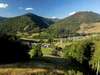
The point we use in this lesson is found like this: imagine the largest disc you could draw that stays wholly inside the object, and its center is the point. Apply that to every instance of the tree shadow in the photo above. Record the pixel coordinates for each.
(67, 64)
(12, 49)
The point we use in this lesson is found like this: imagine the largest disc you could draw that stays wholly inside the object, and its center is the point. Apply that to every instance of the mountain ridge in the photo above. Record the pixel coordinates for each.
(71, 24)
(31, 23)
(25, 23)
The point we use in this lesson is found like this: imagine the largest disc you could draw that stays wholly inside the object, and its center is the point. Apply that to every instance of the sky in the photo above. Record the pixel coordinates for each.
(47, 8)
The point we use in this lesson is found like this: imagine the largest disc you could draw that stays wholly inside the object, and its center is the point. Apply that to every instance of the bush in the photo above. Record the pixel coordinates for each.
(95, 61)
(74, 50)
(80, 50)
(36, 51)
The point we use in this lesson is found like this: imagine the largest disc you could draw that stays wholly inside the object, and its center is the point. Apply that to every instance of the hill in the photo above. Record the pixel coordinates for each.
(71, 24)
(2, 18)
(32, 23)
(25, 23)
(89, 28)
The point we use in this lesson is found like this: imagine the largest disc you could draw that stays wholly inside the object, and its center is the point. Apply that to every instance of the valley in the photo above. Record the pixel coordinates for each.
(35, 45)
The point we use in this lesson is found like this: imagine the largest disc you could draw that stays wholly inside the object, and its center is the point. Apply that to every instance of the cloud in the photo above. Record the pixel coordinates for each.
(29, 9)
(53, 17)
(71, 13)
(3, 5)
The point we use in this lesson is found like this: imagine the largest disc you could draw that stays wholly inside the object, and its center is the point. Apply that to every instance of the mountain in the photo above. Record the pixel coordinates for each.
(89, 28)
(76, 23)
(71, 24)
(2, 18)
(25, 23)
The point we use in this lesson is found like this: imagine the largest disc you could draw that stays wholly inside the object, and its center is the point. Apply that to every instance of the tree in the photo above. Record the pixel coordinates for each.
(36, 52)
(12, 49)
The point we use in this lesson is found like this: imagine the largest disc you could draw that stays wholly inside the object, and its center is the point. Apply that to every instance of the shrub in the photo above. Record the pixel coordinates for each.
(80, 50)
(36, 51)
(95, 61)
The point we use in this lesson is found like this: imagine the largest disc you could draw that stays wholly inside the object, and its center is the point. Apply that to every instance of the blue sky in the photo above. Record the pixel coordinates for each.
(47, 8)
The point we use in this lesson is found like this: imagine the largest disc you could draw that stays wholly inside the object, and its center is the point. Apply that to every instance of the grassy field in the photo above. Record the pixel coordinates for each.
(93, 28)
(46, 51)
(29, 71)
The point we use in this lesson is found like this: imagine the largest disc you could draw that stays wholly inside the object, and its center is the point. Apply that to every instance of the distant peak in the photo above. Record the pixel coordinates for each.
(83, 12)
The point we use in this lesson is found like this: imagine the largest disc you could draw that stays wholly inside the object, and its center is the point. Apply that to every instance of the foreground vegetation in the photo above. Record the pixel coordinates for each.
(77, 57)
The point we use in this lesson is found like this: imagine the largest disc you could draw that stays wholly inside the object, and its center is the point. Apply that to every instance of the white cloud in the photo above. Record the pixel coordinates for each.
(29, 9)
(71, 13)
(53, 17)
(3, 5)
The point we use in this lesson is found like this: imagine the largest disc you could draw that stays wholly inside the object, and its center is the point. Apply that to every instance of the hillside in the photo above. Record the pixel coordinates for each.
(71, 24)
(31, 23)
(24, 23)
(2, 18)
(89, 28)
